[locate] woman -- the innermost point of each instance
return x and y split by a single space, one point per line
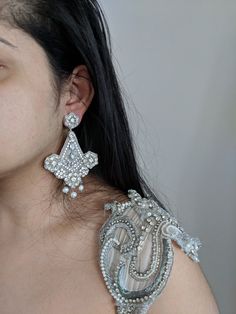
62 110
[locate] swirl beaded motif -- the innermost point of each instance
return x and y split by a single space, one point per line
72 164
137 230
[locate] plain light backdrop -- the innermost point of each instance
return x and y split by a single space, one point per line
177 62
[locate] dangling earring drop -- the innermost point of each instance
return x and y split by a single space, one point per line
72 164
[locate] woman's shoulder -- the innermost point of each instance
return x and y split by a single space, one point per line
138 243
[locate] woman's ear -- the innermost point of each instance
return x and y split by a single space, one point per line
81 91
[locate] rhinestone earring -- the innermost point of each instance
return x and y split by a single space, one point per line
72 164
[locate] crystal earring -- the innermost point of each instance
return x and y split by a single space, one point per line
72 164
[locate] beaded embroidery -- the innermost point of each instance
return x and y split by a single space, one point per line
136 253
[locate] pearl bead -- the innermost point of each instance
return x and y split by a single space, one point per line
65 189
81 188
73 194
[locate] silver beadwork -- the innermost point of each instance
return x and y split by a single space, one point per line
132 227
72 164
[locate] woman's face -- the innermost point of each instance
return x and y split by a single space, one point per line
29 126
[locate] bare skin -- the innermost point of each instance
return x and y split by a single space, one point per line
55 270
49 265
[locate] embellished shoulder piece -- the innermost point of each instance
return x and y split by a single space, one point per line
136 253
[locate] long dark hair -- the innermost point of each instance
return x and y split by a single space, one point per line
76 32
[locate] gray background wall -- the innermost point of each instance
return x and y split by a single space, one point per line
177 61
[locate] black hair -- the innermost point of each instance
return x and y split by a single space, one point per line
74 32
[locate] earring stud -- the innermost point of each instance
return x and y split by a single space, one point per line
71 164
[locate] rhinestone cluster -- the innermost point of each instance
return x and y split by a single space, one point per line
188 244
72 164
71 120
162 228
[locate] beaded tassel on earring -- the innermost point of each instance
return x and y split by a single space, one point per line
72 164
